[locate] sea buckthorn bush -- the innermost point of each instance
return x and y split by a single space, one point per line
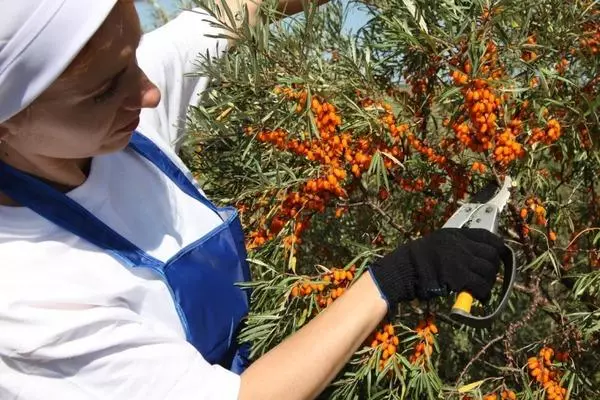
336 146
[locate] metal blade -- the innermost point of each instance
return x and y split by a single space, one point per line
486 193
501 198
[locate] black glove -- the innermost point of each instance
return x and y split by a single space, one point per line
450 259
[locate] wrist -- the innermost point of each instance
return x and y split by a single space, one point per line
378 291
395 277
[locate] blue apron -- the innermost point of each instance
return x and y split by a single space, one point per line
202 277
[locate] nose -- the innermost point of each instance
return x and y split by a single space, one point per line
147 95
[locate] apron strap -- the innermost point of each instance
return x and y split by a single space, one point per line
63 211
147 149
68 214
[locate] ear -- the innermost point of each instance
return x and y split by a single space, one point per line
3 133
10 128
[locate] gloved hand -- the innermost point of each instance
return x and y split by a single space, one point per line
449 259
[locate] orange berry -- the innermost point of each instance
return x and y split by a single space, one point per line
389 328
533 363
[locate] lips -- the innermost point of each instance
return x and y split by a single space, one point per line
132 126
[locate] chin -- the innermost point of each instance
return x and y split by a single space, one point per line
116 142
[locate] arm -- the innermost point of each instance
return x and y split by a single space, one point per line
169 55
304 364
83 340
286 7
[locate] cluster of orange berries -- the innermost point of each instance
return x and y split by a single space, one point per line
426 329
591 40
428 208
593 255
548 136
422 216
506 394
292 94
507 148
420 81
477 126
396 130
329 151
336 151
562 66
385 340
529 55
459 78
535 205
328 287
546 374
411 185
425 150
294 207
478 167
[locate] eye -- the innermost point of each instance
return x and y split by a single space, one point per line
111 89
108 93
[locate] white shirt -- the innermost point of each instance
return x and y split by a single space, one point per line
74 322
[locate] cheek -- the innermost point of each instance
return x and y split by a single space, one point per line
81 133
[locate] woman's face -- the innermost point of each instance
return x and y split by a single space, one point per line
95 105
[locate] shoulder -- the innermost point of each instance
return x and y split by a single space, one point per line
169 56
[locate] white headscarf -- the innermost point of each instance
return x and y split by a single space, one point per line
38 41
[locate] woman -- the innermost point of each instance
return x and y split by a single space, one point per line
118 275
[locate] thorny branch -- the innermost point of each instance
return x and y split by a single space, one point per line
376 207
538 299
512 328
477 356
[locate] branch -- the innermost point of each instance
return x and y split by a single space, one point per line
381 211
387 216
507 337
477 356
538 298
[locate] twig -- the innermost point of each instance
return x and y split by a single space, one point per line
477 356
381 211
538 299
387 216
507 337
527 245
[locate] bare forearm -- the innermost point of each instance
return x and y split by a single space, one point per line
304 364
286 7
290 7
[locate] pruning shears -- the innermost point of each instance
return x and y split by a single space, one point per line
480 213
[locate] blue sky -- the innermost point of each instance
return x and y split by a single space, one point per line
355 18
